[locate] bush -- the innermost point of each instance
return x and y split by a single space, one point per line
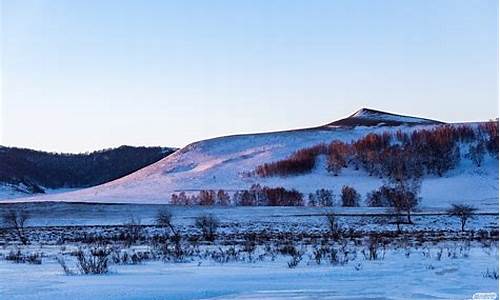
93 261
208 225
333 226
18 257
132 231
164 219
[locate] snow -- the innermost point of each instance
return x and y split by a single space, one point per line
419 275
227 162
394 277
13 191
383 116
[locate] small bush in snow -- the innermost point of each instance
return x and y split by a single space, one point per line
334 228
18 257
375 249
132 231
493 274
93 261
164 219
208 225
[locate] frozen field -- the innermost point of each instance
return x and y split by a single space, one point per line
430 259
394 277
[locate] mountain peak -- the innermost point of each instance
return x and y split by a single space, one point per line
373 117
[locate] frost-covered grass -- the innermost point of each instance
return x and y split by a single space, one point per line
258 253
448 270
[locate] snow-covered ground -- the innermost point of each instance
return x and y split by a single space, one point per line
241 218
429 260
419 275
11 191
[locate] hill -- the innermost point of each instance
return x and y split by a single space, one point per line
26 171
229 163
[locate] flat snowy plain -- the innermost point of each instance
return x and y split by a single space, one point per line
444 268
394 277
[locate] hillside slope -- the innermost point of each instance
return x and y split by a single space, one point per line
227 162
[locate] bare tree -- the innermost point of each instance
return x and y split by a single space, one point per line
133 230
164 219
405 181
462 211
404 200
223 198
333 226
476 153
16 221
208 225
394 216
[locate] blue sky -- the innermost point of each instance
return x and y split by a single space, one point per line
84 75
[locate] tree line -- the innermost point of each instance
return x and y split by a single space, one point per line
425 151
38 169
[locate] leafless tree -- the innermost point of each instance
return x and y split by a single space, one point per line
462 211
476 153
164 219
208 225
16 220
333 226
133 230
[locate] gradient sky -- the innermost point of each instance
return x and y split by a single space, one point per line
85 75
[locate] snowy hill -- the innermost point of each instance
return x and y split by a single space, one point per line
372 117
227 162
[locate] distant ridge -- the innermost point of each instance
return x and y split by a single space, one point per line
372 117
29 171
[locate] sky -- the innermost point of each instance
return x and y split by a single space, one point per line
84 75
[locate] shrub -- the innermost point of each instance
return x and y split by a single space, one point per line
132 231
94 261
333 227
18 257
208 225
164 219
